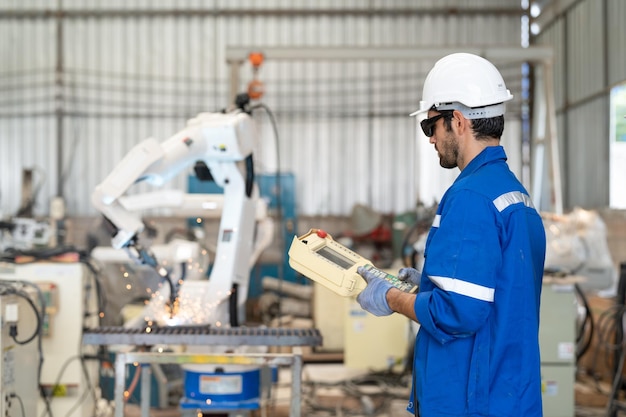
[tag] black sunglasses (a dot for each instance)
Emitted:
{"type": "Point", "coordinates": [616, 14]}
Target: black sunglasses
{"type": "Point", "coordinates": [428, 125]}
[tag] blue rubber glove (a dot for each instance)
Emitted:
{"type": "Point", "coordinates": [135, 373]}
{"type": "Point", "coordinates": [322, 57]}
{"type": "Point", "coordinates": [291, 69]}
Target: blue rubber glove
{"type": "Point", "coordinates": [410, 274]}
{"type": "Point", "coordinates": [374, 297]}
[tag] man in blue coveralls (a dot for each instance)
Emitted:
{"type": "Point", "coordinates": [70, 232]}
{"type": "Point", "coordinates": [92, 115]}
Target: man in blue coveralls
{"type": "Point", "coordinates": [477, 349]}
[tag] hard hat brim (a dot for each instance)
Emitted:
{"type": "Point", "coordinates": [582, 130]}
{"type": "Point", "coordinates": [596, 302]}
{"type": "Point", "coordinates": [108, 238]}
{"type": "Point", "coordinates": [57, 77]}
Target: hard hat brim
{"type": "Point", "coordinates": [417, 112]}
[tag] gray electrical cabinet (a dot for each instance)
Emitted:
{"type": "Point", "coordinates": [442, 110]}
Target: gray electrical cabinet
{"type": "Point", "coordinates": [557, 340]}
{"type": "Point", "coordinates": [20, 356]}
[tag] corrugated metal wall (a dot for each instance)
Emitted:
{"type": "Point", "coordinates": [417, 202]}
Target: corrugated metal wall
{"type": "Point", "coordinates": [127, 70]}
{"type": "Point", "coordinates": [589, 42]}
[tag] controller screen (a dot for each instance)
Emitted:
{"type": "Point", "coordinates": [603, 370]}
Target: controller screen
{"type": "Point", "coordinates": [335, 257]}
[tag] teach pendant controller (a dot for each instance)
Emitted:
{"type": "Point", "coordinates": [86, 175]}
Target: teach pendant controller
{"type": "Point", "coordinates": [317, 256]}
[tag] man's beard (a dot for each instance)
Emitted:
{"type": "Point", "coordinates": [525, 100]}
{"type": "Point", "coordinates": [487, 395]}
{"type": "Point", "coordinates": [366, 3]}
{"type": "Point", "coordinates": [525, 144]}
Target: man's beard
{"type": "Point", "coordinates": [448, 153]}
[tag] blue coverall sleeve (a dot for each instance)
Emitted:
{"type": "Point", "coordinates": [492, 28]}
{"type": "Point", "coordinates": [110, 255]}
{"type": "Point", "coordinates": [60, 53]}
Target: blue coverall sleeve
{"type": "Point", "coordinates": [463, 253]}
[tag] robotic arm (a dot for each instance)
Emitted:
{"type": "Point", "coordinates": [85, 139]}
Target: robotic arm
{"type": "Point", "coordinates": [218, 139]}
{"type": "Point", "coordinates": [224, 143]}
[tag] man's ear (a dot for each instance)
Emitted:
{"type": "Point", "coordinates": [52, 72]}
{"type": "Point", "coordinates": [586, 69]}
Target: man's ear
{"type": "Point", "coordinates": [459, 123]}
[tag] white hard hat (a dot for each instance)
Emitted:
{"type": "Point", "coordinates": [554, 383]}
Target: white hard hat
{"type": "Point", "coordinates": [465, 82]}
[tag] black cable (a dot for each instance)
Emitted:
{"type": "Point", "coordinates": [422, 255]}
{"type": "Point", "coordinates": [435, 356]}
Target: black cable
{"type": "Point", "coordinates": [167, 278]}
{"type": "Point", "coordinates": [39, 342]}
{"type": "Point", "coordinates": [232, 305]}
{"type": "Point", "coordinates": [38, 326]}
{"type": "Point", "coordinates": [42, 303]}
{"type": "Point", "coordinates": [606, 326]}
{"type": "Point", "coordinates": [12, 254]}
{"type": "Point", "coordinates": [89, 389]}
{"type": "Point", "coordinates": [249, 175]}
{"type": "Point", "coordinates": [279, 207]}
{"type": "Point", "coordinates": [615, 316]}
{"type": "Point", "coordinates": [619, 321]}
{"type": "Point", "coordinates": [19, 399]}
{"type": "Point", "coordinates": [101, 297]}
{"type": "Point", "coordinates": [587, 327]}
{"type": "Point", "coordinates": [58, 380]}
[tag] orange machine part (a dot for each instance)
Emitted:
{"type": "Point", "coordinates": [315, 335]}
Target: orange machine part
{"type": "Point", "coordinates": [256, 59]}
{"type": "Point", "coordinates": [256, 88]}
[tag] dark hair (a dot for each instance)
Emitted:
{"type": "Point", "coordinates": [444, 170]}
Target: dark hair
{"type": "Point", "coordinates": [483, 128]}
{"type": "Point", "coordinates": [488, 128]}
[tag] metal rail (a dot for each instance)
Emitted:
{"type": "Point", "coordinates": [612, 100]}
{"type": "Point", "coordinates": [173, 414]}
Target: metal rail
{"type": "Point", "coordinates": [202, 335]}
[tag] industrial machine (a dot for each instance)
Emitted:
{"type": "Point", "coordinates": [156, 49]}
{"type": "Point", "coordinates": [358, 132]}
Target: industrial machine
{"type": "Point", "coordinates": [202, 314]}
{"type": "Point", "coordinates": [19, 336]}
{"type": "Point", "coordinates": [69, 372]}
{"type": "Point", "coordinates": [219, 146]}
{"type": "Point", "coordinates": [24, 233]}
{"type": "Point", "coordinates": [557, 341]}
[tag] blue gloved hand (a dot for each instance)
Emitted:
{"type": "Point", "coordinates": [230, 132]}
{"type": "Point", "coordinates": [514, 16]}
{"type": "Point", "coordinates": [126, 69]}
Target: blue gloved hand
{"type": "Point", "coordinates": [410, 274]}
{"type": "Point", "coordinates": [374, 297]}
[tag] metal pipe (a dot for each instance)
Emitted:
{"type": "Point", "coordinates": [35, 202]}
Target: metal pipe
{"type": "Point", "coordinates": [59, 98]}
{"type": "Point", "coordinates": [120, 377]}
{"type": "Point", "coordinates": [296, 387]}
{"type": "Point", "coordinates": [494, 54]}
{"type": "Point", "coordinates": [552, 138]}
{"type": "Point", "coordinates": [146, 375]}
{"type": "Point", "coordinates": [46, 13]}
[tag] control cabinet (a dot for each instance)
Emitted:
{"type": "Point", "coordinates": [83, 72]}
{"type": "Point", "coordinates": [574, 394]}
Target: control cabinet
{"type": "Point", "coordinates": [20, 356]}
{"type": "Point", "coordinates": [557, 341]}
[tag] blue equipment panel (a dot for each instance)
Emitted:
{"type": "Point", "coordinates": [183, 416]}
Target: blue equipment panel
{"type": "Point", "coordinates": [280, 193]}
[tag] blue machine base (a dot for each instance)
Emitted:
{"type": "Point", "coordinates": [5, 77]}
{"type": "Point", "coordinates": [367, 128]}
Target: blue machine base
{"type": "Point", "coordinates": [222, 390]}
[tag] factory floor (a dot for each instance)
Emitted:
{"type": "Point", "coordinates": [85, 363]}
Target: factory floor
{"type": "Point", "coordinates": [396, 409]}
{"type": "Point", "coordinates": [330, 390]}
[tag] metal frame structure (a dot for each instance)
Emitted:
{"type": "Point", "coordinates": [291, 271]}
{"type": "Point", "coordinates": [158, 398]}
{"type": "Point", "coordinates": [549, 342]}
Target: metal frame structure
{"type": "Point", "coordinates": [146, 359]}
{"type": "Point", "coordinates": [200, 336]}
{"type": "Point", "coordinates": [541, 56]}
